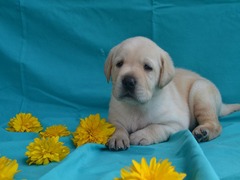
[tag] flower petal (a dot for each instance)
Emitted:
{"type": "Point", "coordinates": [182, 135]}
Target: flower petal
{"type": "Point", "coordinates": [24, 123]}
{"type": "Point", "coordinates": [155, 171]}
{"type": "Point", "coordinates": [45, 150]}
{"type": "Point", "coordinates": [8, 168]}
{"type": "Point", "coordinates": [92, 129]}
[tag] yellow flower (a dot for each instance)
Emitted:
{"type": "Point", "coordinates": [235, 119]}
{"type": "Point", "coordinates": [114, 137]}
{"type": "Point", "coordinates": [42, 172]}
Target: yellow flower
{"type": "Point", "coordinates": [45, 150]}
{"type": "Point", "coordinates": [154, 171]}
{"type": "Point", "coordinates": [24, 123]}
{"type": "Point", "coordinates": [93, 129]}
{"type": "Point", "coordinates": [8, 168]}
{"type": "Point", "coordinates": [56, 130]}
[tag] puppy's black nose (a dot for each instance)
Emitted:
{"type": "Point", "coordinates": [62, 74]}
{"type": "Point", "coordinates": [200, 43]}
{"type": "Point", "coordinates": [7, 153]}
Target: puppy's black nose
{"type": "Point", "coordinates": [129, 83]}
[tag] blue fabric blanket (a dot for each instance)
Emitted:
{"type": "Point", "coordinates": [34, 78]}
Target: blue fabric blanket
{"type": "Point", "coordinates": [52, 55]}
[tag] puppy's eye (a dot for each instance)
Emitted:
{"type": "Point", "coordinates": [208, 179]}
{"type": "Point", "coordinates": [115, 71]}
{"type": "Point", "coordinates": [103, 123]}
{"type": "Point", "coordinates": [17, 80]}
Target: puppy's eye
{"type": "Point", "coordinates": [119, 64]}
{"type": "Point", "coordinates": [147, 67]}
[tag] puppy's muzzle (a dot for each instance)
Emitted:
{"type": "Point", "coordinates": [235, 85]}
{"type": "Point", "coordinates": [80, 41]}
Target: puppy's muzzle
{"type": "Point", "coordinates": [129, 83]}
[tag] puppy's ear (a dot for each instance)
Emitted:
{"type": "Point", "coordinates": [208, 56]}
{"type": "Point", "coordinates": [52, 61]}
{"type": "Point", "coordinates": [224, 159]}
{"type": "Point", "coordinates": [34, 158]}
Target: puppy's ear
{"type": "Point", "coordinates": [167, 70]}
{"type": "Point", "coordinates": [108, 64]}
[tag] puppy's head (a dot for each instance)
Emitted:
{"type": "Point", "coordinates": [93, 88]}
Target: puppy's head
{"type": "Point", "coordinates": [137, 66]}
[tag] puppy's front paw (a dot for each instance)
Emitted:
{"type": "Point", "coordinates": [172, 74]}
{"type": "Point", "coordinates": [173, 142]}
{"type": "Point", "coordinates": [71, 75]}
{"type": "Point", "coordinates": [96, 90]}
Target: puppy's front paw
{"type": "Point", "coordinates": [118, 142]}
{"type": "Point", "coordinates": [140, 138]}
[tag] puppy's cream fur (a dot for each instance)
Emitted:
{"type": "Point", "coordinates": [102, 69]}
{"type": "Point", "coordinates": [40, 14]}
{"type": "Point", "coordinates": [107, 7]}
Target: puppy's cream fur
{"type": "Point", "coordinates": [158, 100]}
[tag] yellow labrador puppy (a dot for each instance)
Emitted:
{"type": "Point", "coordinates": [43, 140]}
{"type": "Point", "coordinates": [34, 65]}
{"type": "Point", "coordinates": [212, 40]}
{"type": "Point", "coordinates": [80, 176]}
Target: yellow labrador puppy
{"type": "Point", "coordinates": [152, 100]}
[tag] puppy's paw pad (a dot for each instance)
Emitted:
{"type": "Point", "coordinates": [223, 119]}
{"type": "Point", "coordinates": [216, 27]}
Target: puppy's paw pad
{"type": "Point", "coordinates": [201, 134]}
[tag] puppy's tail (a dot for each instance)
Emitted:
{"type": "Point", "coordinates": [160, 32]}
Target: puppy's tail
{"type": "Point", "coordinates": [229, 108]}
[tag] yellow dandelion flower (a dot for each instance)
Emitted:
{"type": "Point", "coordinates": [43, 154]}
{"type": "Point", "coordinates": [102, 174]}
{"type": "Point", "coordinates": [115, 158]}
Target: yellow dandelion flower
{"type": "Point", "coordinates": [55, 130]}
{"type": "Point", "coordinates": [24, 123]}
{"type": "Point", "coordinates": [93, 129]}
{"type": "Point", "coordinates": [154, 171]}
{"type": "Point", "coordinates": [45, 150]}
{"type": "Point", "coordinates": [8, 168]}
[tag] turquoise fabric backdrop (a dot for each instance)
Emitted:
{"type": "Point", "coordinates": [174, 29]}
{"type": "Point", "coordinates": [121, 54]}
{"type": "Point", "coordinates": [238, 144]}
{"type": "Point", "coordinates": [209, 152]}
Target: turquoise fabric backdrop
{"type": "Point", "coordinates": [52, 55]}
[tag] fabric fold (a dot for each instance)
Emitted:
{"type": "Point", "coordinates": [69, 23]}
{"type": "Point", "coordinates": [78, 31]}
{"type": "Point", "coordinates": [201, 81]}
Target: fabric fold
{"type": "Point", "coordinates": [93, 161]}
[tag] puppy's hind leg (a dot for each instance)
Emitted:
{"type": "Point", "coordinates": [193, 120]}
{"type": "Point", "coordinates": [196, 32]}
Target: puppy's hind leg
{"type": "Point", "coordinates": [206, 105]}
